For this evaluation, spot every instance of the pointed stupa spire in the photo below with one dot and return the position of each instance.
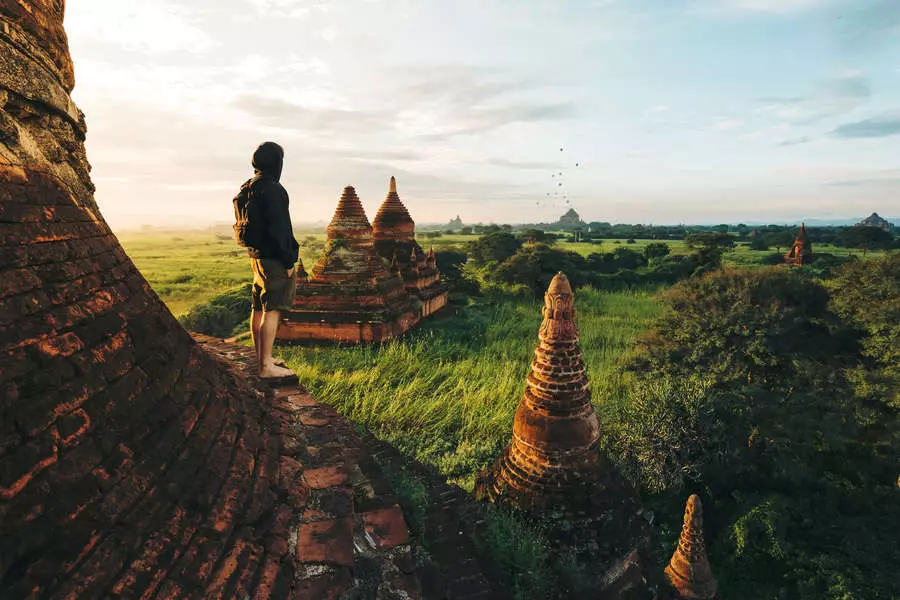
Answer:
(349, 219)
(689, 572)
(393, 221)
(552, 450)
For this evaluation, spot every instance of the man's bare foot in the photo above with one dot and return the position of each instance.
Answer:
(279, 362)
(273, 371)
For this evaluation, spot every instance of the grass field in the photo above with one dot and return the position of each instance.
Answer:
(447, 392)
(189, 267)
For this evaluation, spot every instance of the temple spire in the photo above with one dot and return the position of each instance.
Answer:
(552, 454)
(689, 572)
(393, 221)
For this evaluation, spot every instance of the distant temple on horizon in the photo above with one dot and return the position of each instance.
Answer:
(570, 219)
(875, 220)
(801, 251)
(371, 283)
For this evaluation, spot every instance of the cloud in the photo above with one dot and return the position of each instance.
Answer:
(524, 165)
(288, 9)
(795, 141)
(324, 121)
(863, 23)
(876, 127)
(438, 103)
(149, 26)
(726, 124)
(828, 97)
(727, 7)
(660, 108)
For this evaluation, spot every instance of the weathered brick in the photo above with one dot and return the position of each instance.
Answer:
(327, 542)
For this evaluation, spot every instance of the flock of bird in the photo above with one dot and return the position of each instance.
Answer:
(559, 196)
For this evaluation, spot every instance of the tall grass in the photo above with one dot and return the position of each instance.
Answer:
(446, 393)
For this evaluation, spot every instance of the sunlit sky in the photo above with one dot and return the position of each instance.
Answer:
(676, 111)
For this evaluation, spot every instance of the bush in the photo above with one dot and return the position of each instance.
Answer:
(494, 247)
(221, 316)
(535, 266)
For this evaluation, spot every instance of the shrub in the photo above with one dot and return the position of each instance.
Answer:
(220, 316)
(494, 247)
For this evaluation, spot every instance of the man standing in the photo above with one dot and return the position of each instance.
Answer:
(273, 253)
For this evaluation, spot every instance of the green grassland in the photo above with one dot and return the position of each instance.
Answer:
(189, 267)
(447, 392)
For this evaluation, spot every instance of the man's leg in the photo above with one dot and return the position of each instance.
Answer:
(267, 331)
(255, 323)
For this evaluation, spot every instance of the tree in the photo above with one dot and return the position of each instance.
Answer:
(535, 265)
(866, 238)
(656, 250)
(707, 239)
(742, 325)
(494, 247)
(759, 243)
(535, 236)
(625, 258)
(465, 231)
(782, 239)
(866, 293)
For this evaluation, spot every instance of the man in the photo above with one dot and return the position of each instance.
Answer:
(272, 258)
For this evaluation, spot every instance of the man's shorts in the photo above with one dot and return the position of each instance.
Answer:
(272, 288)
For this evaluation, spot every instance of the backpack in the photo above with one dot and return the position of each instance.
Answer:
(247, 218)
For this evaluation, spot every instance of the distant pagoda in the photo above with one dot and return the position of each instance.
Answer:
(455, 223)
(801, 251)
(552, 455)
(874, 220)
(351, 296)
(394, 232)
(689, 572)
(570, 219)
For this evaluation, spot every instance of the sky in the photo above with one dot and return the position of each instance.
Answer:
(674, 111)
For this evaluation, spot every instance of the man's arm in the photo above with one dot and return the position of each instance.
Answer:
(278, 218)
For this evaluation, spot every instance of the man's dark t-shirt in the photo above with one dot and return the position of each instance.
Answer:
(272, 199)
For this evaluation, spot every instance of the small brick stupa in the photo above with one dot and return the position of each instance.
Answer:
(395, 236)
(801, 252)
(689, 572)
(351, 295)
(552, 456)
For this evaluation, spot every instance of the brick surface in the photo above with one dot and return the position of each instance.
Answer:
(386, 527)
(329, 542)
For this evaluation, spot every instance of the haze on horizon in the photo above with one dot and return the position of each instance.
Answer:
(676, 111)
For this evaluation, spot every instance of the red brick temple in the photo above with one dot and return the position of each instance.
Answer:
(689, 572)
(351, 295)
(801, 252)
(395, 236)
